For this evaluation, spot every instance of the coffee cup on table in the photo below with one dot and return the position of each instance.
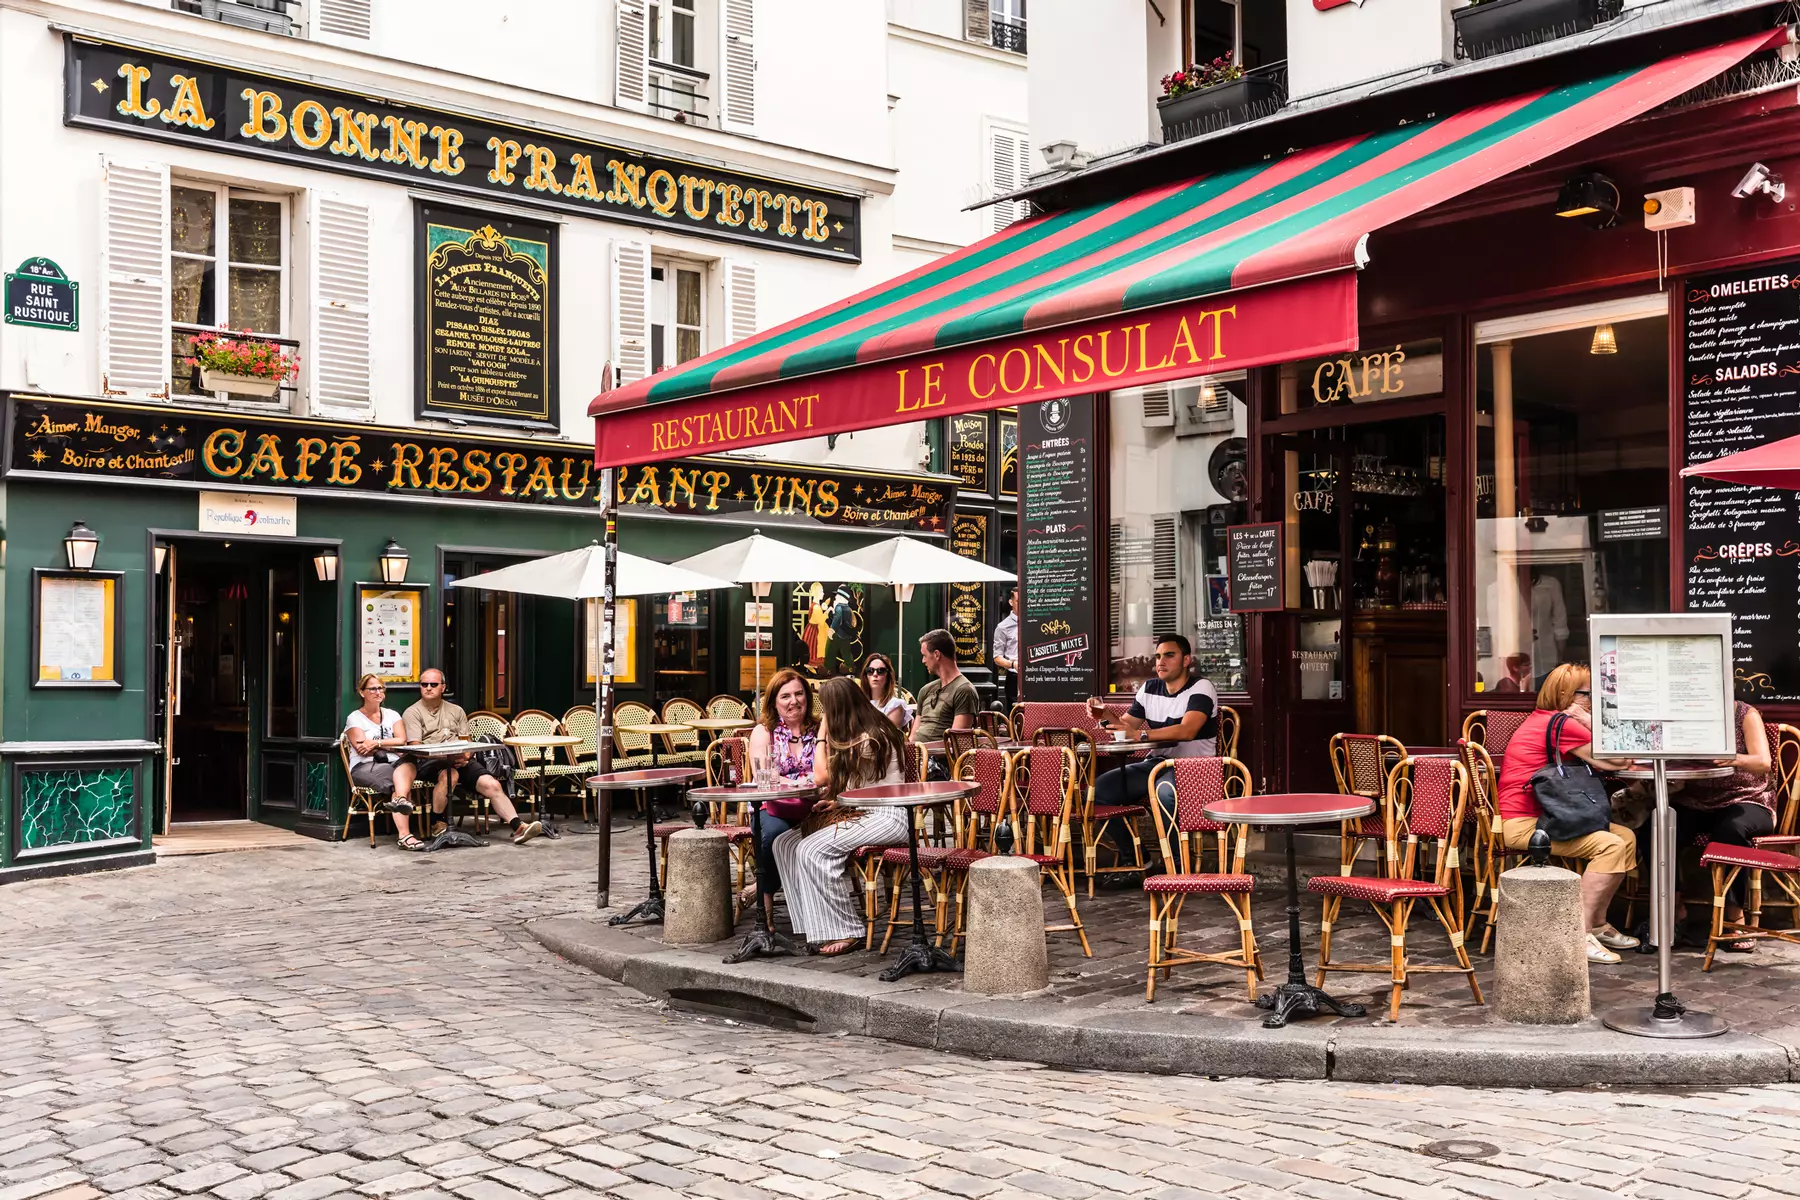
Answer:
(1118, 735)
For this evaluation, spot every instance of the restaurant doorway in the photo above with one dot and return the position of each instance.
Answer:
(1364, 636)
(483, 632)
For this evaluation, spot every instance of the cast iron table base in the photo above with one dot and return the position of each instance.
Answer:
(763, 940)
(1296, 997)
(650, 909)
(921, 955)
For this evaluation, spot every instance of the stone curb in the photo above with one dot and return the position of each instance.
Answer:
(914, 1013)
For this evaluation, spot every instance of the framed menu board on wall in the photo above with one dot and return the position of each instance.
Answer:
(75, 628)
(1059, 633)
(389, 621)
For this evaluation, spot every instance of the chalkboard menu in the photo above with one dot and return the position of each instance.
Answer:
(1253, 563)
(486, 318)
(1058, 633)
(1741, 374)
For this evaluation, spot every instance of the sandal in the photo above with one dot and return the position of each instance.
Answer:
(398, 804)
(1739, 946)
(747, 897)
(833, 949)
(411, 842)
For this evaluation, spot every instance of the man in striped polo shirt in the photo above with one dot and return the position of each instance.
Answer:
(1174, 713)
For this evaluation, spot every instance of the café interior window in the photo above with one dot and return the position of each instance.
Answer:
(1571, 483)
(228, 267)
(1177, 480)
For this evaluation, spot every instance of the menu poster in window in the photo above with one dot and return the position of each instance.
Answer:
(1741, 388)
(388, 624)
(1059, 635)
(1253, 565)
(1662, 686)
(486, 326)
(969, 446)
(75, 629)
(624, 640)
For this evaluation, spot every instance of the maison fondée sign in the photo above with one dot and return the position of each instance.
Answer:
(130, 89)
(103, 441)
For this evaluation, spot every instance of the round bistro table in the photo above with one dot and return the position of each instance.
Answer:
(442, 750)
(763, 939)
(718, 727)
(657, 728)
(921, 955)
(542, 741)
(1296, 997)
(645, 781)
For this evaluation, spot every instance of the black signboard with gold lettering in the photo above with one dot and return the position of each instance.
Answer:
(149, 93)
(969, 447)
(54, 437)
(968, 607)
(487, 317)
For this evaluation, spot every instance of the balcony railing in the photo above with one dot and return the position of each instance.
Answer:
(269, 16)
(1260, 92)
(1006, 33)
(185, 380)
(675, 92)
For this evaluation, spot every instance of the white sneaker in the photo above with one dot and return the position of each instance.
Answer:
(1596, 953)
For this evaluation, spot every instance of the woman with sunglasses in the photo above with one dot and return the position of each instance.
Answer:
(883, 690)
(375, 732)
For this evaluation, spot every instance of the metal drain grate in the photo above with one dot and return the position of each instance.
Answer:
(1460, 1149)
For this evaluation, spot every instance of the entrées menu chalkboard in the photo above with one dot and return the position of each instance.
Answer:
(1059, 638)
(1741, 376)
(1253, 562)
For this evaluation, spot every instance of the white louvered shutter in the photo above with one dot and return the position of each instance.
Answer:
(977, 21)
(1165, 575)
(740, 300)
(1159, 408)
(134, 277)
(340, 306)
(737, 104)
(631, 46)
(1115, 615)
(343, 18)
(631, 310)
(1009, 166)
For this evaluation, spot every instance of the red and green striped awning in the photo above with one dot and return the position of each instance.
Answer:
(1244, 268)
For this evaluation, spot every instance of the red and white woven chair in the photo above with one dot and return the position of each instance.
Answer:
(1488, 851)
(1198, 782)
(1361, 762)
(733, 824)
(1042, 787)
(1425, 805)
(1493, 728)
(1727, 862)
(977, 817)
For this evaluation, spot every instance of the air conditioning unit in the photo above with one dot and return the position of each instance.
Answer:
(1157, 411)
(1204, 408)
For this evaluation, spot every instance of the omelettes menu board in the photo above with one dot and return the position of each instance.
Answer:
(1058, 637)
(1741, 384)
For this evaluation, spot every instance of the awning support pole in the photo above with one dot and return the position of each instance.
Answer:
(603, 688)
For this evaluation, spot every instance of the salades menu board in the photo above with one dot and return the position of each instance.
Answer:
(1741, 376)
(1059, 638)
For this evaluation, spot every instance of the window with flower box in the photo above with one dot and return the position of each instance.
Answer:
(229, 265)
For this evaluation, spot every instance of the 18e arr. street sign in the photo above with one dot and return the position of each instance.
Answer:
(39, 294)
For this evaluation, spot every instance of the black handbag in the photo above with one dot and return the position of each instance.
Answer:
(1572, 796)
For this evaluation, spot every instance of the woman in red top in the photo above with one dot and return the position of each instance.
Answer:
(1610, 853)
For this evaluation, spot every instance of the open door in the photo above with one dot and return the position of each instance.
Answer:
(168, 682)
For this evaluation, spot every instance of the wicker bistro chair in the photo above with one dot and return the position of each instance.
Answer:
(731, 820)
(996, 725)
(1488, 853)
(364, 802)
(1425, 803)
(1361, 762)
(934, 871)
(726, 705)
(1044, 784)
(578, 761)
(1727, 862)
(1493, 728)
(1095, 816)
(977, 817)
(681, 748)
(958, 742)
(1229, 726)
(533, 763)
(485, 724)
(867, 861)
(631, 748)
(1198, 781)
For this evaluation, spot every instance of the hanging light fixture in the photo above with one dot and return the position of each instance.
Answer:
(393, 562)
(325, 564)
(80, 546)
(1604, 342)
(903, 592)
(1590, 195)
(162, 556)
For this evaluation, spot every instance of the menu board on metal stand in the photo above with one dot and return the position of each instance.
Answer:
(1741, 544)
(1058, 633)
(1662, 686)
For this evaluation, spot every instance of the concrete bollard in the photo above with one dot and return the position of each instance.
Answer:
(697, 901)
(1540, 960)
(1007, 954)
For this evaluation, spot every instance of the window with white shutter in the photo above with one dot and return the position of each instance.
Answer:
(1167, 595)
(631, 71)
(339, 366)
(977, 21)
(631, 310)
(343, 18)
(737, 65)
(1009, 169)
(134, 278)
(740, 301)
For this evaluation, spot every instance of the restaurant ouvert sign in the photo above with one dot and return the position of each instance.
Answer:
(1250, 328)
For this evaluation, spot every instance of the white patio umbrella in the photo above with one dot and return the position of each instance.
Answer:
(581, 575)
(907, 562)
(763, 562)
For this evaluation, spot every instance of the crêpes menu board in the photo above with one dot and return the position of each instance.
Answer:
(1741, 383)
(1059, 641)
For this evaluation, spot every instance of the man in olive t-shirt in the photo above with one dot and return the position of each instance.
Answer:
(949, 700)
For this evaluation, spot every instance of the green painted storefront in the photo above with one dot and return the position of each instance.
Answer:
(83, 773)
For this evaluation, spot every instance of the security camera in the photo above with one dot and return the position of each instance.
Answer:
(1760, 181)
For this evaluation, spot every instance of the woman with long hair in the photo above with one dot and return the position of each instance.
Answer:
(862, 748)
(882, 686)
(374, 732)
(784, 739)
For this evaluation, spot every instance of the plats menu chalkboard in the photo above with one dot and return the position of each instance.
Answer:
(1058, 636)
(1741, 384)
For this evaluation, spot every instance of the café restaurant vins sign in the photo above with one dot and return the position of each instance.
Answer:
(129, 89)
(127, 443)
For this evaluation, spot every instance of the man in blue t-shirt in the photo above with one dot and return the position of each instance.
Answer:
(1175, 713)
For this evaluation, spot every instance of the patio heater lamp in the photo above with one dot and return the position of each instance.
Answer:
(393, 562)
(325, 564)
(80, 547)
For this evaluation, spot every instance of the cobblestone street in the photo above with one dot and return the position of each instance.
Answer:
(338, 1021)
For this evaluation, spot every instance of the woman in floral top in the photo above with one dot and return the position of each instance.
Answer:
(785, 739)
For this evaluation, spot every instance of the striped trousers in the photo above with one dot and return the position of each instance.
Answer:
(821, 900)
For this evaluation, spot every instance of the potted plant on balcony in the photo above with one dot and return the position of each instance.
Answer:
(1205, 89)
(242, 365)
(1487, 27)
